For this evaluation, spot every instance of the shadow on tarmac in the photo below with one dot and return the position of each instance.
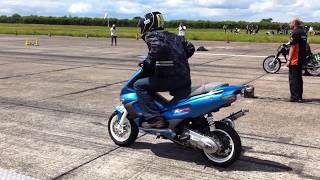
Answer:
(245, 163)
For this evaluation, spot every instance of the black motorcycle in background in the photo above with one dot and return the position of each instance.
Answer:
(272, 64)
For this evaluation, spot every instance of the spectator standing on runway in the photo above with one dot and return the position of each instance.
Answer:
(257, 28)
(225, 28)
(114, 35)
(286, 31)
(251, 28)
(311, 31)
(182, 30)
(247, 29)
(297, 56)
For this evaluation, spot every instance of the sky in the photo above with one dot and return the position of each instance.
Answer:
(215, 10)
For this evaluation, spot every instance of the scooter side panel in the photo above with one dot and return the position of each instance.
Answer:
(190, 108)
(194, 107)
(201, 104)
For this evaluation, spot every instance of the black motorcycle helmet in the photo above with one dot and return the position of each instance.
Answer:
(151, 21)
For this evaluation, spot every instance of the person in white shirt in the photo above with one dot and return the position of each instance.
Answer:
(181, 30)
(311, 31)
(114, 35)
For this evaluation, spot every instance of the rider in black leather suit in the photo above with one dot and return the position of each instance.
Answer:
(166, 68)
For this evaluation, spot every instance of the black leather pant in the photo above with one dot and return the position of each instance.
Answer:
(295, 82)
(113, 38)
(145, 88)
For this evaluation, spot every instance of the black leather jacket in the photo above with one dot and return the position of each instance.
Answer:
(299, 40)
(168, 55)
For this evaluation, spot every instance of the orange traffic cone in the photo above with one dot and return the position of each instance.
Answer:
(37, 43)
(27, 43)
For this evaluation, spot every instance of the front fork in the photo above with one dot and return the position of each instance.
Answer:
(275, 59)
(123, 117)
(122, 114)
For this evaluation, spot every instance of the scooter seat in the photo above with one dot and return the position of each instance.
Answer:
(206, 88)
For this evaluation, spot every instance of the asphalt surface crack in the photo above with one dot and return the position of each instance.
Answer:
(313, 101)
(15, 104)
(89, 89)
(89, 161)
(30, 74)
(201, 64)
(279, 142)
(252, 80)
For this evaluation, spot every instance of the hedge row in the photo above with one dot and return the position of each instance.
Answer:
(16, 18)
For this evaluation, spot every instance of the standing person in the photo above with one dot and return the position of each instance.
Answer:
(297, 56)
(247, 29)
(286, 29)
(306, 29)
(257, 29)
(311, 31)
(114, 35)
(181, 30)
(251, 28)
(225, 27)
(278, 30)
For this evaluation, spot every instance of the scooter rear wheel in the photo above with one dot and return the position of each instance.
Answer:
(231, 148)
(271, 65)
(123, 135)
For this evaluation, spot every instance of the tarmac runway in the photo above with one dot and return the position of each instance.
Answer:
(55, 100)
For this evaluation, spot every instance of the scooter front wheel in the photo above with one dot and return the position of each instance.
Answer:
(231, 146)
(122, 135)
(271, 64)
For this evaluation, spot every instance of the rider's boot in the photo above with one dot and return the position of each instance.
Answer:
(157, 122)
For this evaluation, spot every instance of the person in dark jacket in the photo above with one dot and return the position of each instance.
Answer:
(297, 57)
(166, 68)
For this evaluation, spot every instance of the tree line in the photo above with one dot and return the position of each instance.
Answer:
(86, 21)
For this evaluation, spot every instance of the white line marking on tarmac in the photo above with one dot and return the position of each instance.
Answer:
(8, 174)
(232, 55)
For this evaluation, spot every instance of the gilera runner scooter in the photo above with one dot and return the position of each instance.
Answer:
(191, 123)
(272, 64)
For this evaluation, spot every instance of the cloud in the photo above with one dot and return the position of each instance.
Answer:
(6, 11)
(9, 7)
(316, 14)
(258, 6)
(126, 7)
(79, 8)
(247, 10)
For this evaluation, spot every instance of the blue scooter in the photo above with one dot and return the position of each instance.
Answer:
(190, 119)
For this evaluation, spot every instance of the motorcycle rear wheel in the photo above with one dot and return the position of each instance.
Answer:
(271, 65)
(231, 146)
(313, 71)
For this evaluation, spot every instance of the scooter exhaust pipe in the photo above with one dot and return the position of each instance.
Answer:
(203, 142)
(234, 116)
